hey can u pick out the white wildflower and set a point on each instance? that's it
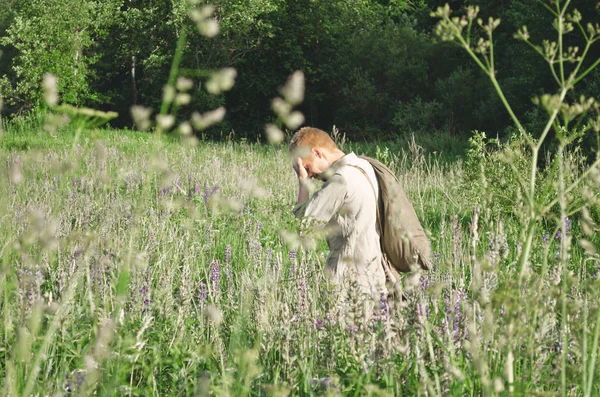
(220, 81)
(274, 134)
(293, 91)
(50, 86)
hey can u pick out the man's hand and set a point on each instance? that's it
(303, 192)
(300, 170)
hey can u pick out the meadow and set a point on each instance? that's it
(133, 264)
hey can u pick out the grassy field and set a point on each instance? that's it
(134, 265)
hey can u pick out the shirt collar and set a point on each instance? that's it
(348, 159)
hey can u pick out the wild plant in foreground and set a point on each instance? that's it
(555, 284)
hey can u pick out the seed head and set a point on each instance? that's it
(50, 86)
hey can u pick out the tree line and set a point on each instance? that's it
(373, 68)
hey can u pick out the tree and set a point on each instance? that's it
(55, 36)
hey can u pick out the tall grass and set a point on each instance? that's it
(136, 266)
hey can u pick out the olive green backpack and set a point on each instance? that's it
(403, 240)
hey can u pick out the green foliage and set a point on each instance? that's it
(56, 37)
(495, 171)
(372, 68)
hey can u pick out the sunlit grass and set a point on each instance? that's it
(132, 264)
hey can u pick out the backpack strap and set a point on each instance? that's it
(384, 260)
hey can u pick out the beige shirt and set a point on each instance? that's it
(346, 203)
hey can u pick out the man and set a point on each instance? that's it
(347, 204)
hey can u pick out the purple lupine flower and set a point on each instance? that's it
(318, 323)
(197, 188)
(215, 277)
(206, 193)
(546, 239)
(384, 306)
(454, 317)
(302, 294)
(458, 316)
(164, 191)
(351, 328)
(146, 302)
(424, 282)
(436, 255)
(256, 251)
(202, 295)
(80, 379)
(558, 234)
(69, 386)
(190, 190)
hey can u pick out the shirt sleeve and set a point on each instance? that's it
(326, 202)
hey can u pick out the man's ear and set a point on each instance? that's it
(317, 152)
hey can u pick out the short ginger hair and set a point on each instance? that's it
(309, 137)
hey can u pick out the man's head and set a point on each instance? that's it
(314, 150)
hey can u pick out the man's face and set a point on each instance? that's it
(315, 164)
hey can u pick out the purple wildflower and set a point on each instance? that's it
(206, 193)
(424, 282)
(215, 277)
(558, 234)
(202, 293)
(302, 295)
(546, 238)
(256, 249)
(318, 323)
(146, 301)
(455, 317)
